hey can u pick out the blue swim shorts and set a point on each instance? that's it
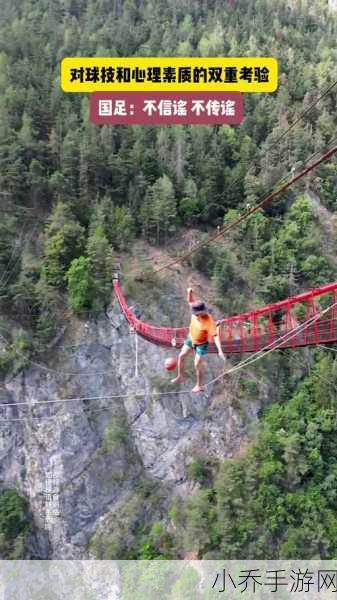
(200, 349)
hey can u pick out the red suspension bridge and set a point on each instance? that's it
(302, 320)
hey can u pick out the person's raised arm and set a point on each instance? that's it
(190, 296)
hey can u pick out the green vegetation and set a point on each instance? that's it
(159, 210)
(291, 255)
(131, 531)
(15, 353)
(200, 469)
(116, 435)
(160, 579)
(94, 189)
(15, 526)
(64, 242)
(279, 500)
(74, 195)
(79, 284)
(151, 580)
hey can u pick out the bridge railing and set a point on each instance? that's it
(278, 324)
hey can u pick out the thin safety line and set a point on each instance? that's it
(247, 213)
(327, 348)
(247, 362)
(266, 350)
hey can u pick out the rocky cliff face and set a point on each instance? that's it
(101, 430)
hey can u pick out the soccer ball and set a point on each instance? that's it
(170, 364)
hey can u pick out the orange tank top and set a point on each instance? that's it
(200, 330)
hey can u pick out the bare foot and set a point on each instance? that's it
(197, 388)
(176, 379)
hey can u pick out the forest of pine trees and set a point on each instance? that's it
(77, 192)
(73, 195)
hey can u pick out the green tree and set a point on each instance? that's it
(189, 206)
(70, 168)
(279, 499)
(15, 525)
(119, 225)
(159, 211)
(80, 285)
(100, 267)
(64, 242)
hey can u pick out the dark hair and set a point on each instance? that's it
(199, 308)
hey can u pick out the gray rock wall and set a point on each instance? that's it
(76, 460)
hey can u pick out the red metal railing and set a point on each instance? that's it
(254, 330)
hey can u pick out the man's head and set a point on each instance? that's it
(199, 309)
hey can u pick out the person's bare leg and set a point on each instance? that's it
(199, 372)
(181, 358)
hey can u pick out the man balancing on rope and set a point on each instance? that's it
(202, 332)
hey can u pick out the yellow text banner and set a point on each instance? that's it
(184, 74)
